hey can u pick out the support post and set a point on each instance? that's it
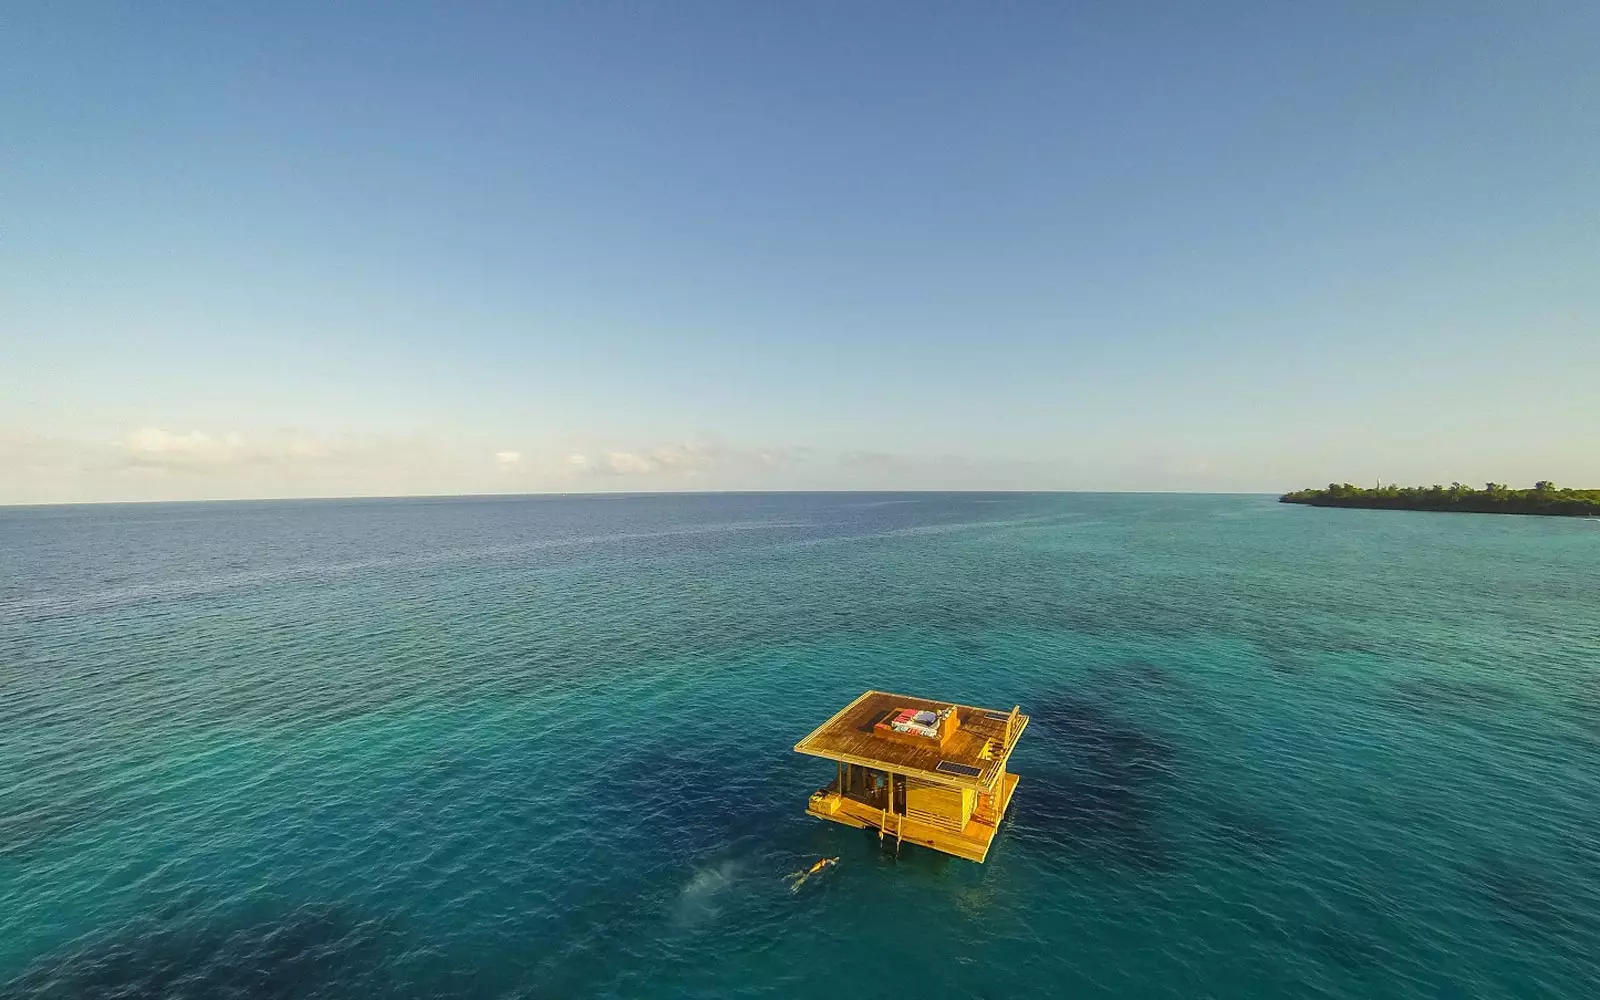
(889, 803)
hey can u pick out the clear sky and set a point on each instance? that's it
(277, 249)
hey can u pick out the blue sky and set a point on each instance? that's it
(327, 249)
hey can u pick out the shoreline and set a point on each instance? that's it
(1545, 499)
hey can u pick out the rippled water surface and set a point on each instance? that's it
(540, 747)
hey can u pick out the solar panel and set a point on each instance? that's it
(951, 767)
(997, 716)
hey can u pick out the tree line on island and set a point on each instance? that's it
(1494, 498)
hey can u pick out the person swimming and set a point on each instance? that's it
(800, 877)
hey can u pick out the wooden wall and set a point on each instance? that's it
(939, 805)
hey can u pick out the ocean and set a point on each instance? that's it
(541, 747)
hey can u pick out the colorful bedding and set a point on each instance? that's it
(919, 722)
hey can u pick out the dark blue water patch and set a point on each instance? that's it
(580, 941)
(33, 821)
(1137, 678)
(1458, 697)
(1245, 831)
(1342, 942)
(1096, 785)
(24, 825)
(1582, 709)
(1095, 740)
(1152, 675)
(1084, 821)
(969, 644)
(1288, 664)
(1526, 898)
(661, 800)
(316, 950)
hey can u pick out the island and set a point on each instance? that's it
(1494, 498)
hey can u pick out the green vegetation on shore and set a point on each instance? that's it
(1494, 498)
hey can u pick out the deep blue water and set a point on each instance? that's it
(540, 747)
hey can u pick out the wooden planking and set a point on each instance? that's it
(934, 819)
(849, 736)
(971, 842)
(936, 805)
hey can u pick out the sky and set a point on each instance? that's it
(313, 249)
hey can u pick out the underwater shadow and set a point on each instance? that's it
(1095, 787)
(1245, 831)
(1529, 900)
(311, 951)
(1461, 699)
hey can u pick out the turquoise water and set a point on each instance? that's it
(540, 747)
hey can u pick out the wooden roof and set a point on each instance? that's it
(849, 737)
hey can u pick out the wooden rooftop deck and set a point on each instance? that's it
(978, 743)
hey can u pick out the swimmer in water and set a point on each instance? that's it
(800, 877)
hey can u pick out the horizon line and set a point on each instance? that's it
(608, 493)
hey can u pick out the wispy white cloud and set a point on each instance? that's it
(157, 443)
(156, 463)
(870, 460)
(672, 459)
(199, 451)
(685, 460)
(152, 462)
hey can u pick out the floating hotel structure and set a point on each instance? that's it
(929, 772)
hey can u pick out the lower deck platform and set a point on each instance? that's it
(971, 843)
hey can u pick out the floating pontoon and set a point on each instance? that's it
(929, 772)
